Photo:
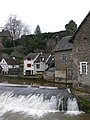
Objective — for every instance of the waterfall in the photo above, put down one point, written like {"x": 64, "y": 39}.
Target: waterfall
{"x": 35, "y": 104}
{"x": 61, "y": 104}
{"x": 35, "y": 100}
{"x": 72, "y": 106}
{"x": 32, "y": 100}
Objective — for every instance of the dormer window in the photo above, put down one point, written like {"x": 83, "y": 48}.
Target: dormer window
{"x": 42, "y": 59}
{"x": 52, "y": 59}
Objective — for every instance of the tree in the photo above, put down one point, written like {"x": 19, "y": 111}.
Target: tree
{"x": 25, "y": 29}
{"x": 71, "y": 26}
{"x": 16, "y": 27}
{"x": 7, "y": 42}
{"x": 37, "y": 30}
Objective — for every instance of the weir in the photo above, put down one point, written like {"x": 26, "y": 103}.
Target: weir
{"x": 35, "y": 100}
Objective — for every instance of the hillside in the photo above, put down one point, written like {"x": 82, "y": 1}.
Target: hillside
{"x": 44, "y": 42}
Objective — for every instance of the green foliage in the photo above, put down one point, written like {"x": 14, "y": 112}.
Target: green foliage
{"x": 8, "y": 50}
{"x": 33, "y": 43}
{"x": 37, "y": 30}
{"x": 85, "y": 104}
{"x": 71, "y": 26}
{"x": 7, "y": 42}
{"x": 36, "y": 42}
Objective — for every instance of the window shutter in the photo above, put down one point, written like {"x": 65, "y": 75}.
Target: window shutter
{"x": 86, "y": 68}
{"x": 80, "y": 68}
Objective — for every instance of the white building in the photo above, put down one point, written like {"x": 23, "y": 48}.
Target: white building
{"x": 9, "y": 66}
{"x": 29, "y": 67}
{"x": 36, "y": 62}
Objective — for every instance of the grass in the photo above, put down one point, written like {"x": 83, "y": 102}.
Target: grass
{"x": 85, "y": 105}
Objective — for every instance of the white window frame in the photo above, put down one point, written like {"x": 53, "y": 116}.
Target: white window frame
{"x": 81, "y": 69}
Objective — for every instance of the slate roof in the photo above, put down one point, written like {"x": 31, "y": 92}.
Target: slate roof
{"x": 44, "y": 57}
{"x": 41, "y": 57}
{"x": 11, "y": 61}
{"x": 64, "y": 44}
{"x": 31, "y": 56}
{"x": 51, "y": 60}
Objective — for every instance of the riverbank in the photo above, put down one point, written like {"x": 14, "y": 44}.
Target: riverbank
{"x": 30, "y": 80}
{"x": 83, "y": 98}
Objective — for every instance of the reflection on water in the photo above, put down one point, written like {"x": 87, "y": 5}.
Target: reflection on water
{"x": 30, "y": 82}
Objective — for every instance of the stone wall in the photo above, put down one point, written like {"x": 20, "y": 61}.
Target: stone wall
{"x": 63, "y": 66}
{"x": 49, "y": 75}
{"x": 81, "y": 52}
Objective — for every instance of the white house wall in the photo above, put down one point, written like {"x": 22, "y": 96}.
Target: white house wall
{"x": 28, "y": 68}
{"x": 42, "y": 67}
{"x": 13, "y": 66}
{"x": 16, "y": 66}
{"x": 46, "y": 66}
{"x": 33, "y": 67}
{"x": 4, "y": 65}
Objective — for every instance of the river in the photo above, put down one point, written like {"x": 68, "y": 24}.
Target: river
{"x": 49, "y": 116}
{"x": 25, "y": 102}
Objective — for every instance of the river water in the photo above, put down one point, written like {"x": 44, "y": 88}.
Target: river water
{"x": 25, "y": 102}
{"x": 49, "y": 116}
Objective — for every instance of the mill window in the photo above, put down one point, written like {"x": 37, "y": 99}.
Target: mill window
{"x": 64, "y": 57}
{"x": 83, "y": 67}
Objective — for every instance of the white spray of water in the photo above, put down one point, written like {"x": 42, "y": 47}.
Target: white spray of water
{"x": 31, "y": 104}
{"x": 72, "y": 107}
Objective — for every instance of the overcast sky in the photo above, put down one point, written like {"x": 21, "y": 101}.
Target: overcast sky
{"x": 51, "y": 15}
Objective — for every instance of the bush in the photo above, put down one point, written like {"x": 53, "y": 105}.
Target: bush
{"x": 85, "y": 105}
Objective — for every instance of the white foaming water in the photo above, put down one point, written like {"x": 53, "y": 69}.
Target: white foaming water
{"x": 35, "y": 105}
{"x": 72, "y": 107}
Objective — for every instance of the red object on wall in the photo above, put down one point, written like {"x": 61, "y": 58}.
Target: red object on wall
{"x": 28, "y": 65}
